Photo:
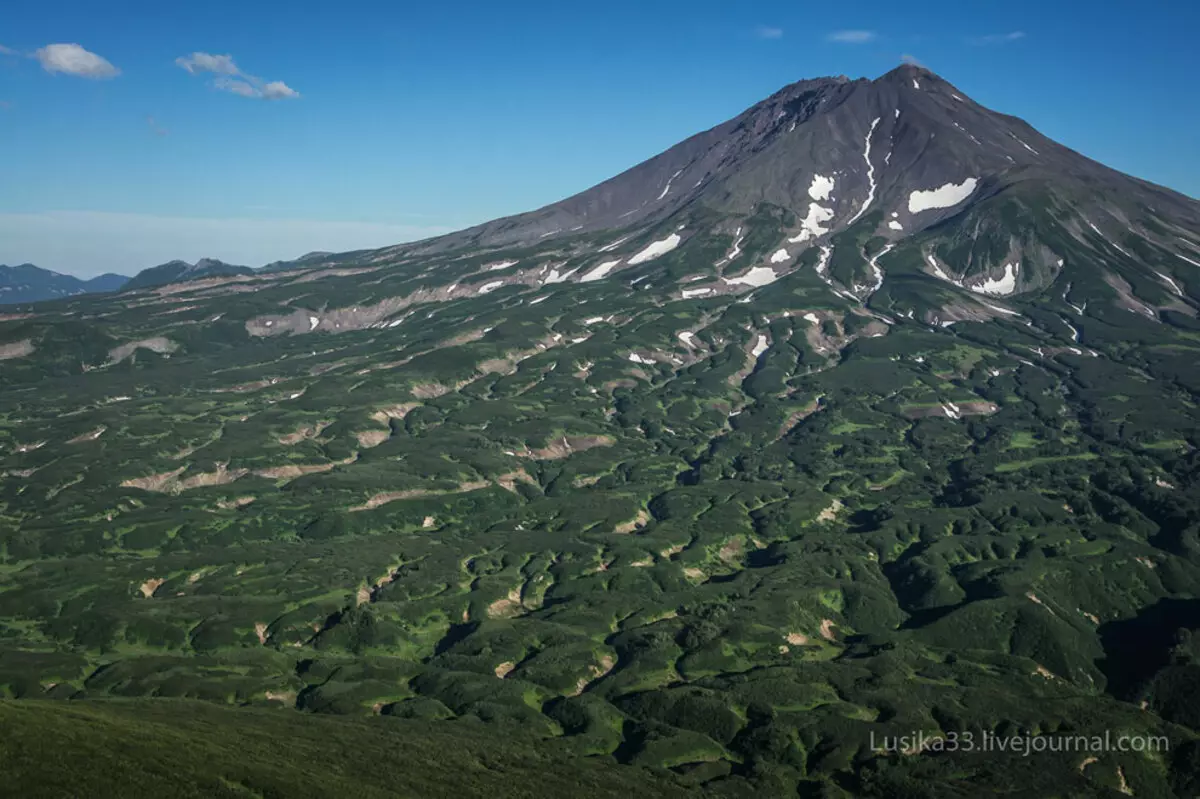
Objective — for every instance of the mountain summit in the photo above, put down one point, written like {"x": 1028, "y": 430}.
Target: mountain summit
{"x": 896, "y": 158}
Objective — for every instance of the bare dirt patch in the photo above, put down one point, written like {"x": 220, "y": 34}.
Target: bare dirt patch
{"x": 89, "y": 436}
{"x": 508, "y": 607}
{"x": 158, "y": 344}
{"x": 831, "y": 513}
{"x": 415, "y": 493}
{"x": 797, "y": 639}
{"x": 731, "y": 552}
{"x": 150, "y": 586}
{"x": 637, "y": 523}
{"x": 368, "y": 439}
{"x": 305, "y": 433}
{"x": 567, "y": 446}
{"x": 292, "y": 471}
{"x": 16, "y": 349}
{"x": 505, "y": 668}
{"x": 154, "y": 482}
{"x": 287, "y": 697}
{"x": 827, "y": 626}
{"x": 509, "y": 481}
{"x": 235, "y": 503}
{"x": 398, "y": 411}
{"x": 260, "y": 630}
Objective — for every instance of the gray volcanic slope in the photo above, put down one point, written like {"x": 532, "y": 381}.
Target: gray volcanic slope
{"x": 921, "y": 132}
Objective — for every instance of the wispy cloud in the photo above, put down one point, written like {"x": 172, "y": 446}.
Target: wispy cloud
{"x": 230, "y": 78}
{"x": 998, "y": 38}
{"x": 768, "y": 32}
{"x": 852, "y": 37}
{"x": 73, "y": 59}
{"x": 7, "y": 50}
{"x": 907, "y": 58}
{"x": 155, "y": 128}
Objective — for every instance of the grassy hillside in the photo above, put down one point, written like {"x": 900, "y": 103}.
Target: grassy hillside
{"x": 193, "y": 749}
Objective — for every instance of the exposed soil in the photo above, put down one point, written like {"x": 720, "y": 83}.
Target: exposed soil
{"x": 567, "y": 446}
{"x": 415, "y": 493}
{"x": 159, "y": 344}
{"x": 638, "y": 522}
{"x": 92, "y": 436}
{"x": 508, "y": 607}
{"x": 827, "y": 626}
{"x": 368, "y": 439}
{"x": 830, "y": 514}
{"x": 150, "y": 586}
{"x": 304, "y": 433}
{"x": 17, "y": 349}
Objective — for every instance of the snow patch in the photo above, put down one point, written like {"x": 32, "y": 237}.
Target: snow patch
{"x": 488, "y": 288}
{"x": 956, "y": 97}
{"x": 593, "y": 320}
{"x": 1000, "y": 310}
{"x": 916, "y": 85}
{"x": 689, "y": 293}
{"x": 313, "y": 322}
{"x": 1174, "y": 286}
{"x": 757, "y": 277}
{"x": 614, "y": 245}
{"x": 600, "y": 271}
{"x": 821, "y": 187}
{"x": 1023, "y": 144}
{"x": 870, "y": 173}
{"x": 555, "y": 277}
{"x": 1107, "y": 239}
{"x": 780, "y": 256}
{"x": 633, "y": 356}
{"x": 876, "y": 270}
{"x": 539, "y": 299}
{"x": 811, "y": 226}
{"x": 812, "y": 317}
{"x": 667, "y": 188}
{"x": 688, "y": 338}
{"x": 500, "y": 265}
{"x": 760, "y": 347}
{"x": 656, "y": 249}
{"x": 946, "y": 196}
{"x": 894, "y": 225}
{"x": 737, "y": 248}
{"x": 1000, "y": 286}
{"x": 1189, "y": 260}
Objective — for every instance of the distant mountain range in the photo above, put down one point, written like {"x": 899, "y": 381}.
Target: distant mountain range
{"x": 179, "y": 271}
{"x": 29, "y": 283}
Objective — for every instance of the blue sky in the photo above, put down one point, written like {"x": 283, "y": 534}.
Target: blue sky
{"x": 363, "y": 123}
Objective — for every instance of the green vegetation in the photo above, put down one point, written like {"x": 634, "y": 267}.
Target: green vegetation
{"x": 445, "y": 541}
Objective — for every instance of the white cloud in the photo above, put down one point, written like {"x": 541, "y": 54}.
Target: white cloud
{"x": 206, "y": 62}
{"x": 999, "y": 38}
{"x": 768, "y": 32}
{"x": 852, "y": 37}
{"x": 72, "y": 59}
{"x": 911, "y": 59}
{"x": 277, "y": 89}
{"x": 7, "y": 50}
{"x": 233, "y": 80}
{"x": 89, "y": 243}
